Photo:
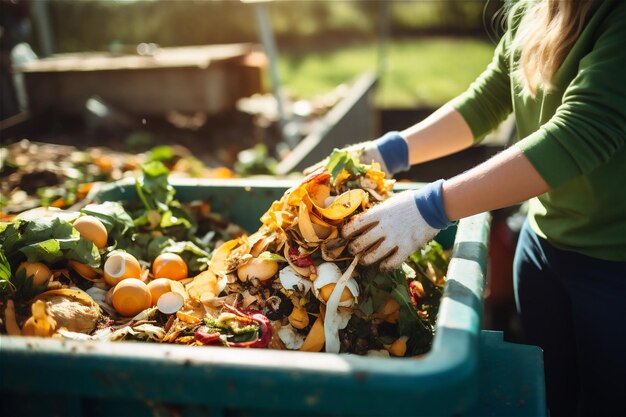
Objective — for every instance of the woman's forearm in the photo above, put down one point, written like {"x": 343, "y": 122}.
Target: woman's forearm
{"x": 442, "y": 133}
{"x": 506, "y": 179}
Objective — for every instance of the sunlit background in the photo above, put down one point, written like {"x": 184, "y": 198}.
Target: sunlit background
{"x": 134, "y": 74}
{"x": 429, "y": 50}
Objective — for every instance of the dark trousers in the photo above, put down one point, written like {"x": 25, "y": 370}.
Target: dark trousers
{"x": 574, "y": 307}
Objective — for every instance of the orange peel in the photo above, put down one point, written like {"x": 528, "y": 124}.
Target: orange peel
{"x": 315, "y": 340}
{"x": 204, "y": 287}
{"x": 344, "y": 205}
{"x": 219, "y": 261}
{"x": 39, "y": 324}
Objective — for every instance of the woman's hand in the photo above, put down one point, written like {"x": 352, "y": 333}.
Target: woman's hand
{"x": 391, "y": 231}
{"x": 390, "y": 151}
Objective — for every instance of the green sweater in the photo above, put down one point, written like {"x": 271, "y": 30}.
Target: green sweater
{"x": 574, "y": 135}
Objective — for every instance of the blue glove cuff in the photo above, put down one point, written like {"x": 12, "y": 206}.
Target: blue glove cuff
{"x": 395, "y": 152}
{"x": 429, "y": 201}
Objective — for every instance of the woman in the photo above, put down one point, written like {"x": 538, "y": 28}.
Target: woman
{"x": 559, "y": 68}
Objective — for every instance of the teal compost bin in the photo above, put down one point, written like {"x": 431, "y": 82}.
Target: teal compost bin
{"x": 68, "y": 378}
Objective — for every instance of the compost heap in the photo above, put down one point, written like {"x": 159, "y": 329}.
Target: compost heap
{"x": 36, "y": 174}
{"x": 156, "y": 270}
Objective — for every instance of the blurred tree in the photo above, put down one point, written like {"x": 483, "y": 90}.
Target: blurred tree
{"x": 81, "y": 25}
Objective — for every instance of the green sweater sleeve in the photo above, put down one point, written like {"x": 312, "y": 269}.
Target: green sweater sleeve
{"x": 487, "y": 102}
{"x": 589, "y": 126}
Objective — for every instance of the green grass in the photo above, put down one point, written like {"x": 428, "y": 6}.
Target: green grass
{"x": 418, "y": 73}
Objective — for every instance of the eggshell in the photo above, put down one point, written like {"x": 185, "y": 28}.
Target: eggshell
{"x": 119, "y": 266}
{"x": 292, "y": 339}
{"x": 291, "y": 280}
{"x": 91, "y": 228}
{"x": 38, "y": 270}
{"x": 327, "y": 273}
{"x": 169, "y": 265}
{"x": 257, "y": 268}
{"x": 170, "y": 302}
{"x": 130, "y": 297}
{"x": 324, "y": 284}
{"x": 158, "y": 287}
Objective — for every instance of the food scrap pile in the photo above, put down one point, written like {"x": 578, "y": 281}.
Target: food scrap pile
{"x": 34, "y": 174}
{"x": 157, "y": 270}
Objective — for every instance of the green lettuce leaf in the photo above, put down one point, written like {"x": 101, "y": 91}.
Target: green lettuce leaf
{"x": 432, "y": 254}
{"x": 340, "y": 160}
{"x": 153, "y": 187}
{"x": 5, "y": 275}
{"x": 169, "y": 219}
{"x": 377, "y": 287}
{"x": 48, "y": 240}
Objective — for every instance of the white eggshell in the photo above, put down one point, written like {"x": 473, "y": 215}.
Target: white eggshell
{"x": 327, "y": 273}
{"x": 292, "y": 339}
{"x": 170, "y": 302}
{"x": 353, "y": 287}
{"x": 290, "y": 280}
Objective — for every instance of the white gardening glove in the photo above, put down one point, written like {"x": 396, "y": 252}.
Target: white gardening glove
{"x": 368, "y": 152}
{"x": 391, "y": 151}
{"x": 391, "y": 231}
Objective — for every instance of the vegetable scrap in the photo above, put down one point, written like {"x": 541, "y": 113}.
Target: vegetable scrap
{"x": 157, "y": 270}
{"x": 35, "y": 174}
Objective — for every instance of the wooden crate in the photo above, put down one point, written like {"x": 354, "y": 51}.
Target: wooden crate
{"x": 187, "y": 79}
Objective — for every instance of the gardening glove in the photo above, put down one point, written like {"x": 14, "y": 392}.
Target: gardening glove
{"x": 391, "y": 231}
{"x": 391, "y": 151}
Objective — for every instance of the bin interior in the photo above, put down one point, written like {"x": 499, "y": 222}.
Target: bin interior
{"x": 445, "y": 381}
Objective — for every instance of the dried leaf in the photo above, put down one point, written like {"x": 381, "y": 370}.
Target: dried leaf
{"x": 305, "y": 225}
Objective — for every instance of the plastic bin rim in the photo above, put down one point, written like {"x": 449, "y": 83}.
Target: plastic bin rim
{"x": 262, "y": 182}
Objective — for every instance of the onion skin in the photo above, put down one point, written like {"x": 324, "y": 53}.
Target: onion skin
{"x": 264, "y": 323}
{"x": 266, "y": 330}
{"x": 303, "y": 261}
{"x": 416, "y": 289}
{"x": 203, "y": 336}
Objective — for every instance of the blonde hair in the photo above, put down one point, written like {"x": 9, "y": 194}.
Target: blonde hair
{"x": 545, "y": 36}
